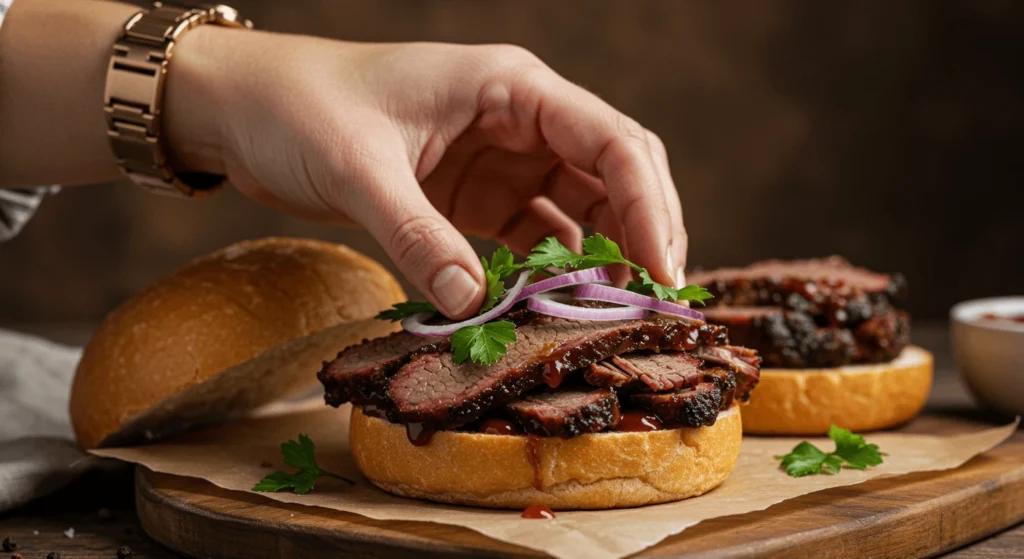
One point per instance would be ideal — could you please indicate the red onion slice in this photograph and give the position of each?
(590, 275)
(545, 303)
(591, 292)
(414, 322)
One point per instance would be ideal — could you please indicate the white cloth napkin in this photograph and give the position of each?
(37, 449)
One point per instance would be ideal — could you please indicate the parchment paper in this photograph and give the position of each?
(230, 456)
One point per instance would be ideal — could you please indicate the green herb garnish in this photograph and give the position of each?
(298, 455)
(402, 310)
(501, 266)
(484, 344)
(552, 254)
(599, 250)
(851, 450)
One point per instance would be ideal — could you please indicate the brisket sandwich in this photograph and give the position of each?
(578, 414)
(833, 341)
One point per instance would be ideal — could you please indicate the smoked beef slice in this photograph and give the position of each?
(807, 285)
(655, 372)
(566, 413)
(793, 339)
(690, 407)
(360, 372)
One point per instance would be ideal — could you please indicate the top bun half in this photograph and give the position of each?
(229, 332)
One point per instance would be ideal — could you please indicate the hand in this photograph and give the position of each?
(416, 142)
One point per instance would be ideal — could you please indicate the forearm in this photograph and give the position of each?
(53, 65)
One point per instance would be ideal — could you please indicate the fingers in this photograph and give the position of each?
(680, 240)
(541, 219)
(576, 193)
(429, 251)
(592, 136)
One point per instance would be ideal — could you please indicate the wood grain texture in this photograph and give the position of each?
(918, 515)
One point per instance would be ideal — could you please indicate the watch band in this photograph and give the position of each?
(134, 95)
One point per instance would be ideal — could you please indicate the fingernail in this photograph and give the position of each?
(670, 259)
(454, 289)
(680, 277)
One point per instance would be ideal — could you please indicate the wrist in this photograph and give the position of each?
(196, 99)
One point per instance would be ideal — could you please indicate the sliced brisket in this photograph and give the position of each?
(809, 313)
(744, 363)
(433, 390)
(656, 372)
(882, 337)
(689, 407)
(794, 339)
(809, 285)
(360, 372)
(608, 375)
(566, 413)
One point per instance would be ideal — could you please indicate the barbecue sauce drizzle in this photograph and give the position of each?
(419, 434)
(531, 455)
(538, 511)
(639, 422)
(496, 426)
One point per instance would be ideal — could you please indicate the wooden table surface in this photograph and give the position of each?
(100, 507)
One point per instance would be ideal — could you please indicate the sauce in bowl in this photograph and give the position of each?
(1018, 318)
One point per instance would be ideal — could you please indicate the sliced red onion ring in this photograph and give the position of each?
(414, 322)
(591, 292)
(590, 275)
(545, 303)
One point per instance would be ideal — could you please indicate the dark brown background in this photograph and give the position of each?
(890, 132)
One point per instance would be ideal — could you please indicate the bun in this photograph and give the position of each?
(595, 471)
(226, 333)
(856, 397)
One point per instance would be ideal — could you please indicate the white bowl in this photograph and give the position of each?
(989, 354)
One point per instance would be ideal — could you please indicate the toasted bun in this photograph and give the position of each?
(596, 471)
(226, 333)
(857, 397)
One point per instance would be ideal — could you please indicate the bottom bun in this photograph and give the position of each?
(595, 471)
(857, 397)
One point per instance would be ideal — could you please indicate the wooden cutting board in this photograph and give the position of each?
(916, 515)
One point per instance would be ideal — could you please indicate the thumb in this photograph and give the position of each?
(429, 251)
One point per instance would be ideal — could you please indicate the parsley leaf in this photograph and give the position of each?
(601, 251)
(650, 287)
(402, 310)
(693, 293)
(660, 291)
(639, 287)
(501, 266)
(484, 344)
(299, 455)
(495, 287)
(550, 252)
(502, 263)
(853, 450)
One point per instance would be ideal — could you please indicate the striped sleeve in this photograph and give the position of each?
(17, 206)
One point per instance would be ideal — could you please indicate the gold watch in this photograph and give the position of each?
(134, 95)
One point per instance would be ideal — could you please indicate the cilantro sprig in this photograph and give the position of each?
(851, 451)
(486, 343)
(299, 455)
